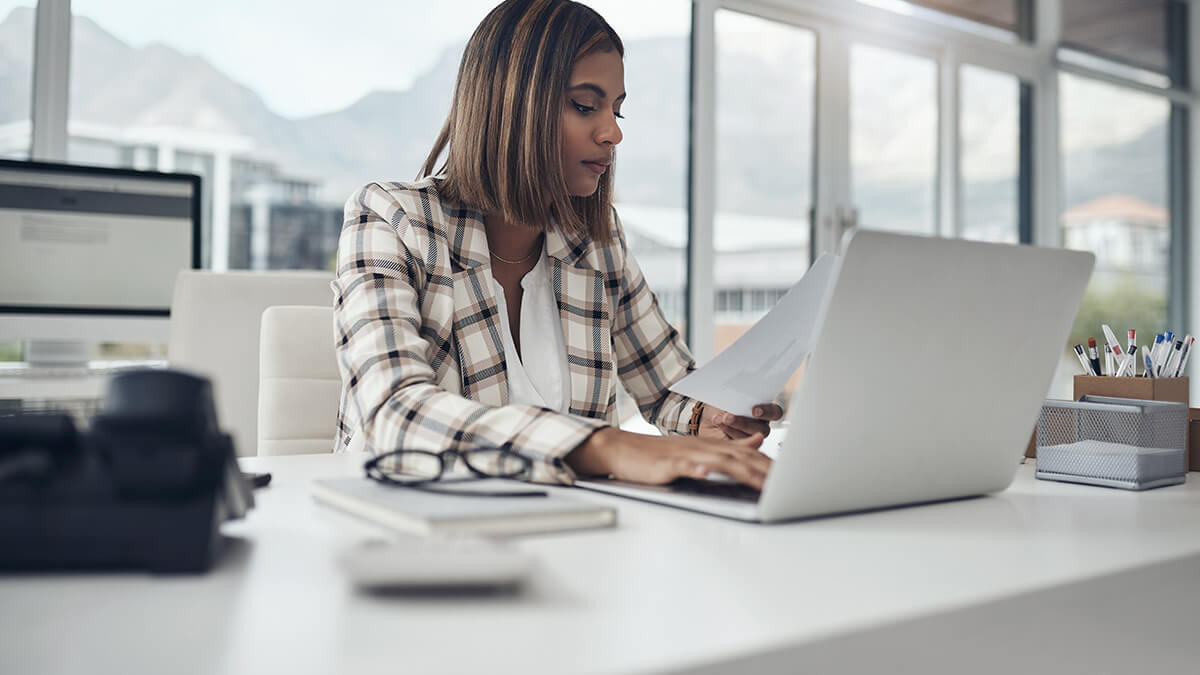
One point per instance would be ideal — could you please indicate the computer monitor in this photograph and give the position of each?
(90, 254)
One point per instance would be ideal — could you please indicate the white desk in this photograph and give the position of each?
(929, 589)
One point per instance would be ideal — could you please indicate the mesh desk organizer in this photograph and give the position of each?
(1115, 442)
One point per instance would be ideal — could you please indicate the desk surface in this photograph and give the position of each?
(665, 590)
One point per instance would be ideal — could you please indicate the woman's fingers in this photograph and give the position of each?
(768, 411)
(736, 426)
(748, 450)
(732, 433)
(740, 459)
(660, 460)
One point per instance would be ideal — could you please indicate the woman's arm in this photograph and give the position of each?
(383, 358)
(650, 354)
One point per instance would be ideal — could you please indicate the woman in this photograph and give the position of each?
(491, 303)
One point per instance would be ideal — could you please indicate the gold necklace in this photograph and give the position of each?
(517, 262)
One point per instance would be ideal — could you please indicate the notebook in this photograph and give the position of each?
(424, 512)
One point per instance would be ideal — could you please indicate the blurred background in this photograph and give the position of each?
(756, 132)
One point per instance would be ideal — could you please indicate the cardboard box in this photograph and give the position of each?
(1148, 388)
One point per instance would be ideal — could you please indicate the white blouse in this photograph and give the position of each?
(542, 381)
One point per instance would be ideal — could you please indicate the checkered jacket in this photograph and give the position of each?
(419, 347)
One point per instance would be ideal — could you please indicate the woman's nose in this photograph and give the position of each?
(609, 132)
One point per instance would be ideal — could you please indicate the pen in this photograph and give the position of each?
(1187, 351)
(1172, 363)
(1112, 340)
(1108, 360)
(1156, 350)
(1164, 354)
(1087, 367)
(1132, 351)
(1128, 364)
(1149, 366)
(1093, 357)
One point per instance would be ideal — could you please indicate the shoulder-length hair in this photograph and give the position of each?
(502, 137)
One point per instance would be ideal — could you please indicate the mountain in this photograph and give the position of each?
(764, 164)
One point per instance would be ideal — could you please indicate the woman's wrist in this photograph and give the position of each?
(593, 457)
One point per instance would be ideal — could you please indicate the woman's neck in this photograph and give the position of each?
(510, 240)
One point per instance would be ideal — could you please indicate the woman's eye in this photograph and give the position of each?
(583, 108)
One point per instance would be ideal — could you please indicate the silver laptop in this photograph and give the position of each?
(926, 377)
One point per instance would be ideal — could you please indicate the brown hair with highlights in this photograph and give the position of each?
(503, 153)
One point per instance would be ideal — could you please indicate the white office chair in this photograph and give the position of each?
(214, 331)
(299, 385)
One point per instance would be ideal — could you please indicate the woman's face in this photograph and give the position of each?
(591, 109)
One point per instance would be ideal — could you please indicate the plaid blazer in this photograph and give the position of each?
(419, 347)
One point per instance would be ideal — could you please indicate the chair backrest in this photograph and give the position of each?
(299, 385)
(215, 319)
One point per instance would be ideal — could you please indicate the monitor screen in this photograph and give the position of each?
(91, 240)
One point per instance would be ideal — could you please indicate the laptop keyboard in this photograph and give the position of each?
(725, 489)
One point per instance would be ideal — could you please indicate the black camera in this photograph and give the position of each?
(146, 486)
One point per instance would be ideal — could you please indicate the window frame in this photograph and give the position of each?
(1032, 56)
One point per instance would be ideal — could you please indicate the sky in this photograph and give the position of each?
(307, 57)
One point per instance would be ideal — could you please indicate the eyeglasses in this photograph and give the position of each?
(421, 469)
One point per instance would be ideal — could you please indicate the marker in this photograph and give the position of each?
(1087, 367)
(1093, 357)
(1149, 366)
(1108, 360)
(1187, 351)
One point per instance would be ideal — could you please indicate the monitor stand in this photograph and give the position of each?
(57, 352)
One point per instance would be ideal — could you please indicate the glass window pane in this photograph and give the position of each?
(283, 130)
(16, 77)
(998, 13)
(989, 137)
(16, 90)
(1114, 145)
(1133, 32)
(651, 174)
(766, 73)
(893, 139)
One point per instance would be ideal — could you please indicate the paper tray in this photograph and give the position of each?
(1122, 443)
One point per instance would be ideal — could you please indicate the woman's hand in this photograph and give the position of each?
(661, 459)
(716, 423)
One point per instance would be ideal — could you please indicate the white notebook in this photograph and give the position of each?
(424, 512)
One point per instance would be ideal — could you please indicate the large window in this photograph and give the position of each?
(1114, 144)
(284, 129)
(894, 139)
(16, 88)
(989, 137)
(766, 74)
(16, 77)
(651, 170)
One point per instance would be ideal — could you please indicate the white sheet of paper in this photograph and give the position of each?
(754, 369)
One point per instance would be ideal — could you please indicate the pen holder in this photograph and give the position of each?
(1115, 442)
(1147, 388)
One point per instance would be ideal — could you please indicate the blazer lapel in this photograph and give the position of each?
(586, 323)
(477, 337)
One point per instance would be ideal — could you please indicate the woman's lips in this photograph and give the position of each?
(596, 166)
